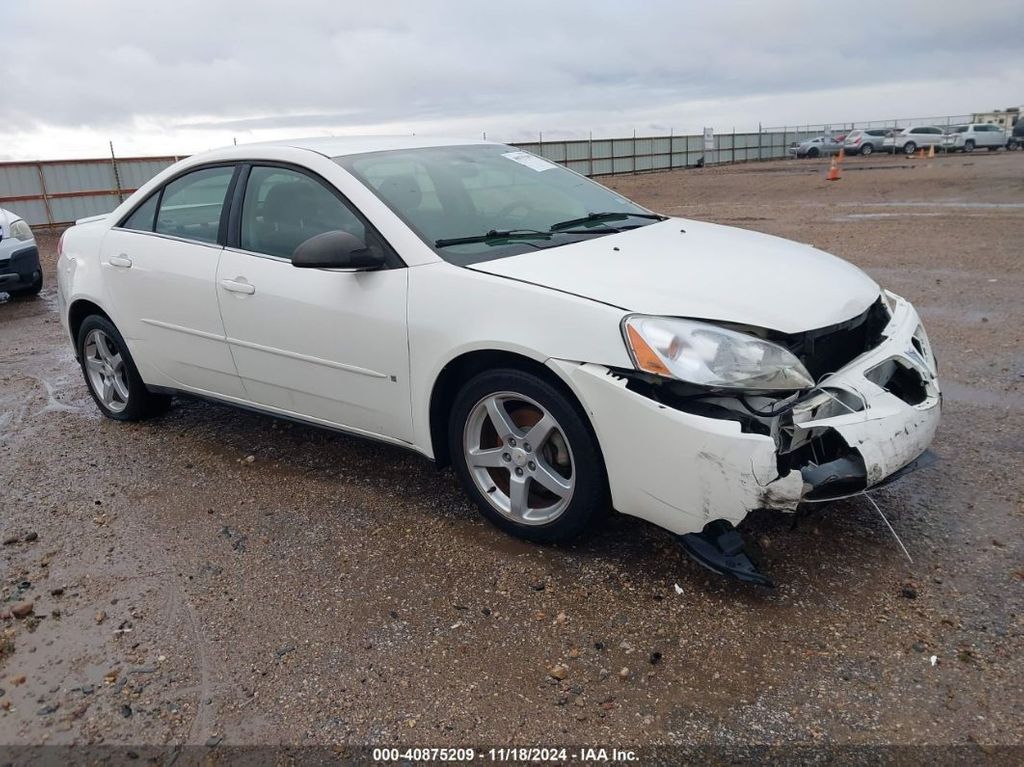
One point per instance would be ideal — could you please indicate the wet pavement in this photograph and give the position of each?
(219, 577)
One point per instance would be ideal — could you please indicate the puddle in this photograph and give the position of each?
(869, 216)
(968, 315)
(972, 395)
(938, 204)
(53, 404)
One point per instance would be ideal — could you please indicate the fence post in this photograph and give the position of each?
(117, 175)
(759, 157)
(590, 154)
(634, 151)
(46, 197)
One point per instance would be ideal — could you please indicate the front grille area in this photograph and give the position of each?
(29, 253)
(827, 350)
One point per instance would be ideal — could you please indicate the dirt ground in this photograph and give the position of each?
(339, 591)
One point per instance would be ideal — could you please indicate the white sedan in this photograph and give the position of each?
(566, 350)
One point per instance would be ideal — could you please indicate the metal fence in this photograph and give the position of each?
(54, 192)
(57, 192)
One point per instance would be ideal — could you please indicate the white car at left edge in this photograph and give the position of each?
(20, 272)
(566, 350)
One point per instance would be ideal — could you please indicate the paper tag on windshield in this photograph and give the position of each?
(530, 161)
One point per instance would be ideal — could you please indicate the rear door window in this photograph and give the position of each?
(191, 206)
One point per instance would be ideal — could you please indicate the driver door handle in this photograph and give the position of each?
(121, 261)
(235, 286)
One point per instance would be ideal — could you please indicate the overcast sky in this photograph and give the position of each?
(179, 76)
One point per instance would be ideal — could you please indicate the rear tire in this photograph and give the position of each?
(547, 492)
(110, 373)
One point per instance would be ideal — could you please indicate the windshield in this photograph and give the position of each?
(481, 202)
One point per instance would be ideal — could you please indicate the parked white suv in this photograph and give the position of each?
(967, 138)
(909, 140)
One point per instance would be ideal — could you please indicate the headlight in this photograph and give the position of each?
(709, 355)
(21, 231)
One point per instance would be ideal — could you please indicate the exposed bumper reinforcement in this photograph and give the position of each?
(719, 548)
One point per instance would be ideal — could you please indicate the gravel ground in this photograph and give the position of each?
(330, 590)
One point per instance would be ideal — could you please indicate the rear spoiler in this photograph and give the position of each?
(90, 219)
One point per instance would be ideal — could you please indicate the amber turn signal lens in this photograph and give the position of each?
(645, 357)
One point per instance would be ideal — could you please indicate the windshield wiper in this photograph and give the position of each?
(606, 216)
(494, 234)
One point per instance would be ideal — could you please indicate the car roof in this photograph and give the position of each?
(326, 146)
(340, 146)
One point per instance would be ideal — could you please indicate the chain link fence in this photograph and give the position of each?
(57, 192)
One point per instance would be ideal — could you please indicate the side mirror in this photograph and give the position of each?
(335, 250)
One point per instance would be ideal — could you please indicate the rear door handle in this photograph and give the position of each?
(121, 261)
(235, 286)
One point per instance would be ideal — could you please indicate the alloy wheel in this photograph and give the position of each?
(519, 458)
(107, 373)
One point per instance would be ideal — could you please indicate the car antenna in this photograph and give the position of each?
(894, 535)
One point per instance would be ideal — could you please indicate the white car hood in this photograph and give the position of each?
(684, 268)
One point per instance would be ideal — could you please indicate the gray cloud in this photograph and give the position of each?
(192, 67)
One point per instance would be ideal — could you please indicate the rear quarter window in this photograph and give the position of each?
(141, 220)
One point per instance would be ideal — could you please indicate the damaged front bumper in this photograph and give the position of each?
(682, 466)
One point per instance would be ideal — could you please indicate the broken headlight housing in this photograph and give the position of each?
(712, 356)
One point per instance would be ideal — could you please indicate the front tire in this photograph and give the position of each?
(968, 146)
(813, 152)
(867, 149)
(909, 148)
(527, 457)
(110, 373)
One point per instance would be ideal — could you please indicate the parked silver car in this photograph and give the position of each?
(815, 147)
(865, 141)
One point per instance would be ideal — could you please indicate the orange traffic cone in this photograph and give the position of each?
(931, 151)
(842, 153)
(833, 171)
(921, 153)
